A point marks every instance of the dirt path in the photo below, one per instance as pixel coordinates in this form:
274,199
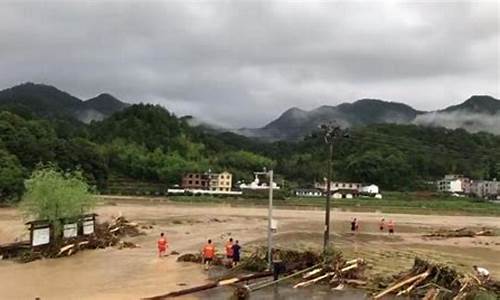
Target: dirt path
135,273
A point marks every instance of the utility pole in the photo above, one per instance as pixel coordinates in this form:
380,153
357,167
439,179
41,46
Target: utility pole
270,174
269,222
330,132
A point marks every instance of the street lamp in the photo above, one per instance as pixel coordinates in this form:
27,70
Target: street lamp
270,174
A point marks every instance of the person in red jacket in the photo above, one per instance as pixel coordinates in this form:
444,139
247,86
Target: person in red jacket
208,253
229,249
391,226
162,245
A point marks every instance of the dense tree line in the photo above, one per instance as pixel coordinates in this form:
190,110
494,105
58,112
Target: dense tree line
148,143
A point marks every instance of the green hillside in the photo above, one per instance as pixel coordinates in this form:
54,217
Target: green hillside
147,145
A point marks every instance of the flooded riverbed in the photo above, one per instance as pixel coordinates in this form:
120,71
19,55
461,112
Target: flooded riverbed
113,274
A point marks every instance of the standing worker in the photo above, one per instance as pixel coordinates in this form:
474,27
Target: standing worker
390,226
353,224
236,253
277,264
382,224
229,250
162,245
208,253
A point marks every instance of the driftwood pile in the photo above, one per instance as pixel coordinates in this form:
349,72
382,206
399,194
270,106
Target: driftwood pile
105,235
435,281
461,232
337,272
257,261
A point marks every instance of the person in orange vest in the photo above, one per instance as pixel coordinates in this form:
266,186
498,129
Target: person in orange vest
390,226
229,250
382,224
208,253
162,245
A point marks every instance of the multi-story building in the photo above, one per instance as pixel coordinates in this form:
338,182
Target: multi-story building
452,183
195,181
485,188
221,182
334,185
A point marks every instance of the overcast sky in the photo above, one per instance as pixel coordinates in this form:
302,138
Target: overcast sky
242,63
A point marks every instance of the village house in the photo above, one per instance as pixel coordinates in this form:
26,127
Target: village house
221,182
195,181
349,189
308,193
453,183
216,182
485,189
371,189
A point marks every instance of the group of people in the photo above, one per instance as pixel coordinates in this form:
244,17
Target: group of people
232,251
382,225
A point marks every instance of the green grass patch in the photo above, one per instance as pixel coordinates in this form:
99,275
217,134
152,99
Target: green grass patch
393,202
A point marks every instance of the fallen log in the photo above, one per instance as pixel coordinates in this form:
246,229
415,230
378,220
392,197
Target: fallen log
65,248
259,286
314,280
355,282
312,273
398,285
210,286
414,284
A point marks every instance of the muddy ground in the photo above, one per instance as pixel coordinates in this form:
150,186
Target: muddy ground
134,273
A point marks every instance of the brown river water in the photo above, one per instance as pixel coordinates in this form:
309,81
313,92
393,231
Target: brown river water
114,274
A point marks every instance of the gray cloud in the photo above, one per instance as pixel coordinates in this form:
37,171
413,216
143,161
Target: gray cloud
472,122
241,63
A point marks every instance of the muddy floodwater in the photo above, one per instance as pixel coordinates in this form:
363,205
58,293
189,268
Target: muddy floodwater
135,273
287,292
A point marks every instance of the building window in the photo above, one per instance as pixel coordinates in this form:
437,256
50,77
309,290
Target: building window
190,176
190,182
197,182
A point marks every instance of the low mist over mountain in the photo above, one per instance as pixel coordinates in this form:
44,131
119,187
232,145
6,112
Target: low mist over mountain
479,113
48,101
295,123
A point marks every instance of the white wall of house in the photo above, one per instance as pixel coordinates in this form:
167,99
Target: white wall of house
450,186
455,186
370,189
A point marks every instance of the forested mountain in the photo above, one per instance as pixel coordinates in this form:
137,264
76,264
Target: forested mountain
47,101
296,123
149,144
476,104
479,113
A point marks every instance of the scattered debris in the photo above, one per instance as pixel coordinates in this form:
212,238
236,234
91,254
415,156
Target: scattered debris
174,252
105,235
428,280
461,232
211,285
